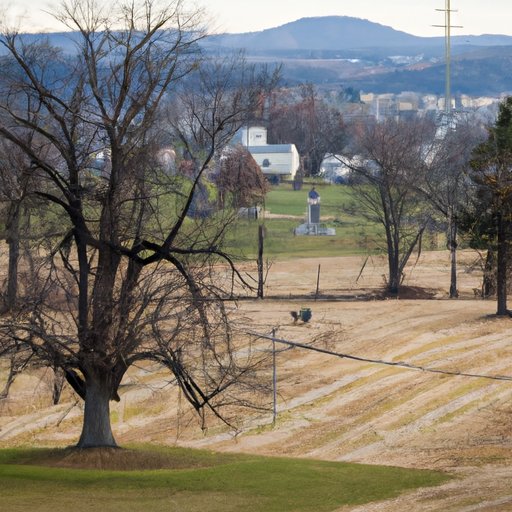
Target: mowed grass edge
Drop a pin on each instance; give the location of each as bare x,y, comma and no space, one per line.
213,482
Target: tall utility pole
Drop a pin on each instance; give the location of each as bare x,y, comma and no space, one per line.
447,124
448,55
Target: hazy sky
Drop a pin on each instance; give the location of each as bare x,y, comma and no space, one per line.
412,16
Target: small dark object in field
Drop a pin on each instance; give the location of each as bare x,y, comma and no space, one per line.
304,314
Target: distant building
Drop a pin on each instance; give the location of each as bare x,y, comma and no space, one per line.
280,160
339,168
252,136
334,170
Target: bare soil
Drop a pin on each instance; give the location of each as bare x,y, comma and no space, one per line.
336,408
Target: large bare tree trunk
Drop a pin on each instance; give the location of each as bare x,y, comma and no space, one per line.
394,273
91,317
393,247
97,430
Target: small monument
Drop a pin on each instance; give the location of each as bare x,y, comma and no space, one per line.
313,226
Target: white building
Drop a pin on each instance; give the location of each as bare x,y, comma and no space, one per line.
281,160
252,136
334,169
339,168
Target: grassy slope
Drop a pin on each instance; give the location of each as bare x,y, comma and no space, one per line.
215,482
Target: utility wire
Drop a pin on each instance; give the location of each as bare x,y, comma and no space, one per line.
400,364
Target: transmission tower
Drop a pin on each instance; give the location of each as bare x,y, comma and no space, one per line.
448,55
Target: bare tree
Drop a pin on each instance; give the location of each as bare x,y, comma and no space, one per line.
14,188
17,361
446,184
390,161
308,122
240,181
132,278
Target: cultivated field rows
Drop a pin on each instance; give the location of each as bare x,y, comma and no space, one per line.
336,408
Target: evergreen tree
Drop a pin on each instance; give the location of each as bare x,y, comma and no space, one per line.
492,172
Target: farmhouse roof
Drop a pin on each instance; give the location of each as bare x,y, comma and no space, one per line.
271,148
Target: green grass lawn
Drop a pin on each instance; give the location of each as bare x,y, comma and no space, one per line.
280,242
354,233
334,199
201,481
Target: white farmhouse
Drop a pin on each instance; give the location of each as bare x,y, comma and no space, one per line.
281,160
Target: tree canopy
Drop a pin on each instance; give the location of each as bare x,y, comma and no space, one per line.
492,172
127,276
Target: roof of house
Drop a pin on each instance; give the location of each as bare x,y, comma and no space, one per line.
271,148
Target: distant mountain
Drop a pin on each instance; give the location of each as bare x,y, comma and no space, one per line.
66,41
345,51
323,33
339,33
369,56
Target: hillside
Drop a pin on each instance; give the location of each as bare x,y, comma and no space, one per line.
320,33
475,73
343,33
338,409
345,51
373,57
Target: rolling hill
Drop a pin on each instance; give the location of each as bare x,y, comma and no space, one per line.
373,57
322,33
345,51
342,33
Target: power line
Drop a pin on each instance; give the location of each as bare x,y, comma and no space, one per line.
400,364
